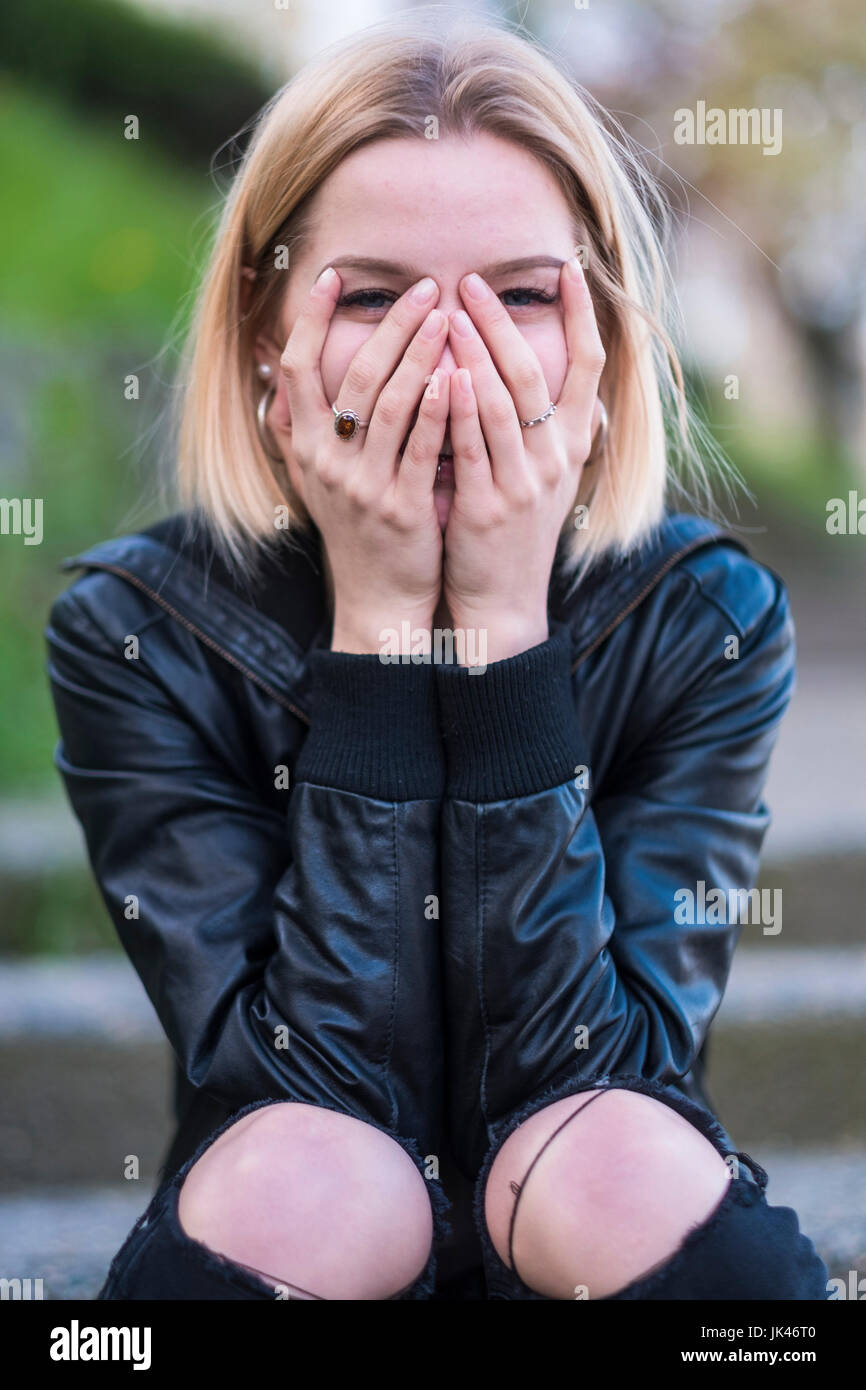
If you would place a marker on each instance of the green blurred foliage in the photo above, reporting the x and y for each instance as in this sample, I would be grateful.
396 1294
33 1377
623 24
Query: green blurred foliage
188 89
97 233
99 248
59 913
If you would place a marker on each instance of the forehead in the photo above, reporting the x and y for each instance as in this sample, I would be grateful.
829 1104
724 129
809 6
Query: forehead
422 198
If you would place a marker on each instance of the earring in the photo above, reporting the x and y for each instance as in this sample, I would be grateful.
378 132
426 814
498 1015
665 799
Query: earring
264 370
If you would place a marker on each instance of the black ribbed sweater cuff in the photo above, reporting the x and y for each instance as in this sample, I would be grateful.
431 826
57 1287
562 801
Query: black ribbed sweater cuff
512 729
375 728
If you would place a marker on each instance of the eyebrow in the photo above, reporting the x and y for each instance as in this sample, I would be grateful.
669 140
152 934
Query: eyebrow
408 272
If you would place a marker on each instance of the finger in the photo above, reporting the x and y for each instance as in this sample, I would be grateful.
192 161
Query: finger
586 356
473 479
300 362
398 401
511 354
495 407
377 357
417 473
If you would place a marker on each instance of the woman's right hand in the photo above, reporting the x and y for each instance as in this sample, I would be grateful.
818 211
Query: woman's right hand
375 510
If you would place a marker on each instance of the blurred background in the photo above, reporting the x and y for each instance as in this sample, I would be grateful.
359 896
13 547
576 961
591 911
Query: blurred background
100 244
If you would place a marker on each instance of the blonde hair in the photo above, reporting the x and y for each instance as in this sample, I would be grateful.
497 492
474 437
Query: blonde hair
387 81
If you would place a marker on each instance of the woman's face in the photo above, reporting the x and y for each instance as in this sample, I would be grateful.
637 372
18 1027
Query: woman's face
414 207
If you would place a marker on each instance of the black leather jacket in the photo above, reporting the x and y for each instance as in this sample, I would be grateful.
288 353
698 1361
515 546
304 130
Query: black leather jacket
418 893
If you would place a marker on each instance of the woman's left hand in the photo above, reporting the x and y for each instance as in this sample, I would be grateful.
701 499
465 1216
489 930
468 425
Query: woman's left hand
511 500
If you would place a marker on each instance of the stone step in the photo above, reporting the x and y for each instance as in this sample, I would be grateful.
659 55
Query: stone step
817 800
769 985
787 1045
817 901
100 997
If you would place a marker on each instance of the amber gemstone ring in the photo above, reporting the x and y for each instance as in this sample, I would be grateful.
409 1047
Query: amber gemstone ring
347 424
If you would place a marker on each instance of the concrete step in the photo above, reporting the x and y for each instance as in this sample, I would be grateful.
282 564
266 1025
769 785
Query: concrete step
787 1045
819 901
67 1236
817 800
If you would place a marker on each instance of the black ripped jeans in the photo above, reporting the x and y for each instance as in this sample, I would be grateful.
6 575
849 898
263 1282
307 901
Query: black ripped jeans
158 1260
745 1249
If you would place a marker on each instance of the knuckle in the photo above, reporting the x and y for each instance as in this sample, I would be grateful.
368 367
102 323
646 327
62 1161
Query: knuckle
502 413
403 316
526 494
474 450
388 408
393 515
418 351
290 365
552 471
361 376
416 451
356 493
325 469
526 376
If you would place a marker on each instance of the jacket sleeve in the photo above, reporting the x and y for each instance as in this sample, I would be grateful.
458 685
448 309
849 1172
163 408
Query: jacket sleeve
565 947
287 954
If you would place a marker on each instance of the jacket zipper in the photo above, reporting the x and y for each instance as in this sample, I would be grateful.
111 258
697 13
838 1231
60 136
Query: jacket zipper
299 713
639 598
202 636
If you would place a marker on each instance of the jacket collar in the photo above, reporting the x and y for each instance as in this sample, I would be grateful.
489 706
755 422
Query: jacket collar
266 628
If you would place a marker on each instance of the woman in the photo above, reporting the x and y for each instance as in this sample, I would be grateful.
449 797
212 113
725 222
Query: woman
407 911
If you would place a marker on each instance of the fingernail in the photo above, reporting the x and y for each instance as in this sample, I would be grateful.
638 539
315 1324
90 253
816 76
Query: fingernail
464 381
325 280
475 287
462 323
424 290
432 326
574 267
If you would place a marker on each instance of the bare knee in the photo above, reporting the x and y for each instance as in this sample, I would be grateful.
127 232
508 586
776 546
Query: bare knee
313 1198
612 1196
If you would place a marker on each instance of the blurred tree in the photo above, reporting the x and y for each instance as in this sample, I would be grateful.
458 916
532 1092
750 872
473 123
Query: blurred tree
803 207
184 84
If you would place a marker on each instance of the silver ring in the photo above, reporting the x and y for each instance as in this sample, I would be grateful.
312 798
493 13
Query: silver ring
527 424
347 424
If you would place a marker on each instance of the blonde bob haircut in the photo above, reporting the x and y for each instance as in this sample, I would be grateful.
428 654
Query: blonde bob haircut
471 74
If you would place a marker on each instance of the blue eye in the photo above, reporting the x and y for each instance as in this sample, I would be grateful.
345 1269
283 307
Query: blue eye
535 296
357 298
360 299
